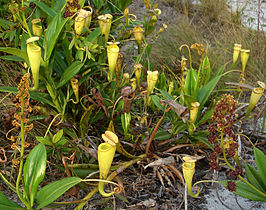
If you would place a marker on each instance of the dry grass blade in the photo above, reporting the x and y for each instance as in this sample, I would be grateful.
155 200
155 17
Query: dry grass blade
165 175
159 176
73 191
120 183
169 173
162 161
177 173
178 147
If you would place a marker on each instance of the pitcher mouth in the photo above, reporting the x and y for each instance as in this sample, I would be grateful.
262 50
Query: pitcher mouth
258 90
189 166
34 47
104 147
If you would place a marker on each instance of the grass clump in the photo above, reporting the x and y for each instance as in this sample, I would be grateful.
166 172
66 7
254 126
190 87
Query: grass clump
212 24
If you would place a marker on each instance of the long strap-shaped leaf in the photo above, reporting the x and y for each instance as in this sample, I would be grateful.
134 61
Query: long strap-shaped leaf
5 203
52 34
260 162
245 191
14 51
52 191
49 11
34 171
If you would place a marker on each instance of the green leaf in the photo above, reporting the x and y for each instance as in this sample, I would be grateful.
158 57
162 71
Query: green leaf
5 23
254 177
97 3
34 170
58 136
202 140
189 100
69 73
5 203
72 43
59 4
161 82
44 140
205 72
52 191
178 127
122 5
93 35
190 82
219 71
166 95
67 52
244 190
42 97
260 162
11 58
208 114
15 51
37 117
61 142
206 91
8 89
162 135
125 119
156 101
84 120
37 96
49 11
52 34
121 197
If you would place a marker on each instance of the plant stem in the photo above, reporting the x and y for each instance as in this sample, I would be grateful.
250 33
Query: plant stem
224 155
22 138
12 169
155 130
7 182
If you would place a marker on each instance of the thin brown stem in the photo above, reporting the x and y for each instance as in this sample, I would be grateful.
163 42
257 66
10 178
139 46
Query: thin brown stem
155 130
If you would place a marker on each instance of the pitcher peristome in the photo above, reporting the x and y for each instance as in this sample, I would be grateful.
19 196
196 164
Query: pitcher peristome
87 14
34 54
36 28
106 154
110 138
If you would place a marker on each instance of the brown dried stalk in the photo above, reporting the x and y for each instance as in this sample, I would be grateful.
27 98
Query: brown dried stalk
155 130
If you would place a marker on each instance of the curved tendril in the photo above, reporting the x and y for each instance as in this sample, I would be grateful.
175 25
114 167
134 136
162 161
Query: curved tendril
101 184
190 59
134 17
52 123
